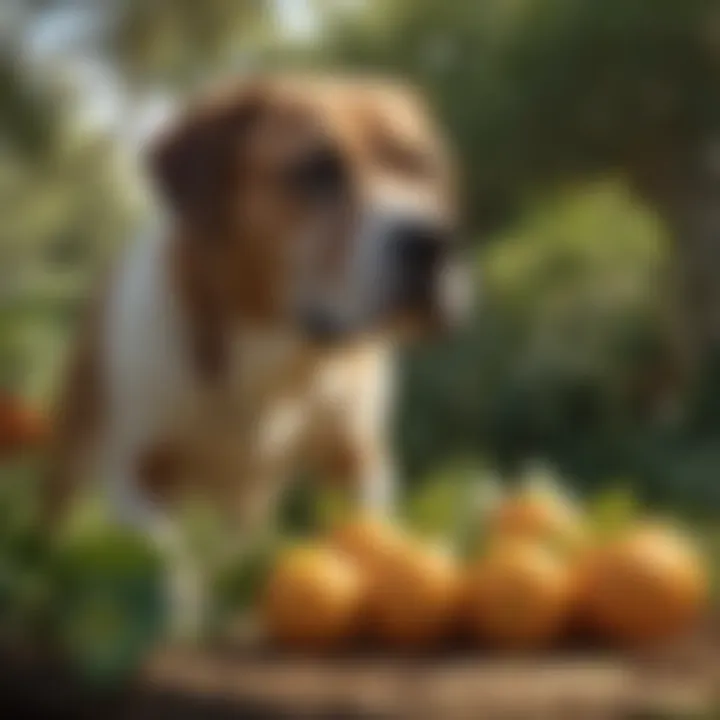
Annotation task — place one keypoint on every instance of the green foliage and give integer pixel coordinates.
(451, 505)
(108, 601)
(180, 41)
(56, 233)
(25, 584)
(538, 90)
(237, 584)
(613, 509)
(111, 551)
(559, 361)
(436, 506)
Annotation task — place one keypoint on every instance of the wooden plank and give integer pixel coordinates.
(397, 688)
(244, 678)
(572, 685)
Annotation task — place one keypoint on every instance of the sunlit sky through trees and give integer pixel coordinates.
(63, 37)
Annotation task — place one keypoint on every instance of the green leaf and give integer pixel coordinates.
(486, 493)
(444, 506)
(331, 506)
(239, 582)
(110, 554)
(613, 509)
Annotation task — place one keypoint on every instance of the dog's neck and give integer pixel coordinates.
(219, 310)
(235, 343)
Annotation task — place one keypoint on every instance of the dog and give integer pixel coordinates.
(309, 228)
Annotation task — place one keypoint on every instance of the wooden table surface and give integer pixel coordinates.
(680, 679)
(241, 678)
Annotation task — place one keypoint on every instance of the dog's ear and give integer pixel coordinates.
(194, 163)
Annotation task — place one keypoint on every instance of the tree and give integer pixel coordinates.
(178, 41)
(66, 201)
(538, 92)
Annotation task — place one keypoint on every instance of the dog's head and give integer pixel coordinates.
(325, 204)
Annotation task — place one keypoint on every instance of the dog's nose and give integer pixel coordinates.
(420, 246)
(321, 327)
(420, 249)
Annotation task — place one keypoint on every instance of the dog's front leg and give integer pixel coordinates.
(374, 478)
(264, 464)
(363, 434)
(253, 509)
(351, 446)
(362, 465)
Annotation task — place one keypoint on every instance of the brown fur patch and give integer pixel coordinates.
(160, 473)
(78, 412)
(335, 460)
(199, 296)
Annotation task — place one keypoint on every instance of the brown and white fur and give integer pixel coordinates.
(253, 332)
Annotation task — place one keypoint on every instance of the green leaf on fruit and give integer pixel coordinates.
(613, 509)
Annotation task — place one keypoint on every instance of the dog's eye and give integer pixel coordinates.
(319, 176)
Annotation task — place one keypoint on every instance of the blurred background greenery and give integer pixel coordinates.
(589, 136)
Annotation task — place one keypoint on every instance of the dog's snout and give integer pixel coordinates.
(420, 249)
(321, 327)
(420, 246)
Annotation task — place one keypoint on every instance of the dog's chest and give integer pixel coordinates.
(273, 398)
(273, 392)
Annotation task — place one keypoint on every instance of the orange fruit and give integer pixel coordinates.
(647, 585)
(21, 426)
(518, 596)
(535, 515)
(412, 588)
(370, 541)
(414, 599)
(313, 599)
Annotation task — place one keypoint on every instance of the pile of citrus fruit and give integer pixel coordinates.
(541, 576)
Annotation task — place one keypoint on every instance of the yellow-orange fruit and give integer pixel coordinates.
(535, 515)
(414, 598)
(314, 598)
(646, 585)
(371, 541)
(518, 596)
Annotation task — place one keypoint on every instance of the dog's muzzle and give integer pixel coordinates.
(430, 281)
(415, 279)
